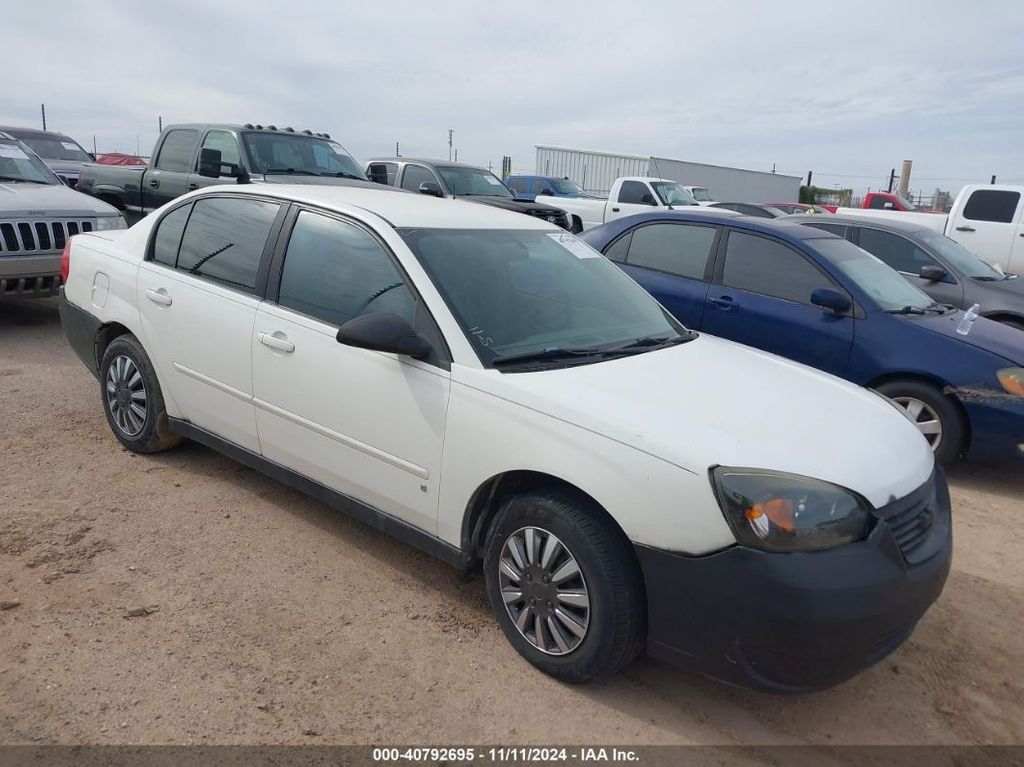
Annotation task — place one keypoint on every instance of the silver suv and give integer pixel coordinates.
(61, 153)
(38, 213)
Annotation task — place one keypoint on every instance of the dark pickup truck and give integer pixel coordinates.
(192, 156)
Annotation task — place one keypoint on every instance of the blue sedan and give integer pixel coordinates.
(816, 298)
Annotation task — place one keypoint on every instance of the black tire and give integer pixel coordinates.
(615, 629)
(154, 434)
(950, 417)
(576, 226)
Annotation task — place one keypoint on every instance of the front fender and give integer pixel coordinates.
(654, 502)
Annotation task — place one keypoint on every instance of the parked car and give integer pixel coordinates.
(38, 213)
(61, 153)
(799, 208)
(629, 195)
(816, 298)
(987, 219)
(486, 387)
(750, 209)
(528, 187)
(456, 181)
(941, 267)
(194, 156)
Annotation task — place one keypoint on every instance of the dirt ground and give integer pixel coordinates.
(277, 620)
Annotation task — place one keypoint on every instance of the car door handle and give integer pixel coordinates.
(615, 210)
(724, 302)
(154, 183)
(276, 342)
(159, 297)
(193, 187)
(965, 228)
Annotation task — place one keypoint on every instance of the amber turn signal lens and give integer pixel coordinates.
(778, 510)
(1012, 380)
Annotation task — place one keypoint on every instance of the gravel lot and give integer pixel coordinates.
(262, 616)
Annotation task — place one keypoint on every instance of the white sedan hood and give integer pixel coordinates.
(713, 402)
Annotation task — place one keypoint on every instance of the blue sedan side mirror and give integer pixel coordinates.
(827, 298)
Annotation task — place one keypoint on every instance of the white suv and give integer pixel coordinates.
(488, 388)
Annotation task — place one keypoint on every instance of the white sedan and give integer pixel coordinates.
(489, 389)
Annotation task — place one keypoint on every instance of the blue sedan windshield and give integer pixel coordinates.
(881, 283)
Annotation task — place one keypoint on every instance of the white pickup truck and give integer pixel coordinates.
(629, 195)
(986, 219)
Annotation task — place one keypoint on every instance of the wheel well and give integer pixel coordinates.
(485, 502)
(105, 335)
(928, 380)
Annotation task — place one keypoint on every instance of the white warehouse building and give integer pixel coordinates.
(594, 172)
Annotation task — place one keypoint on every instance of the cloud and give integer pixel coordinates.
(845, 90)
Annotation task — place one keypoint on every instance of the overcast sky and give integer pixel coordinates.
(847, 90)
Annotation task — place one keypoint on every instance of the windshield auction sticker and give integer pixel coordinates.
(574, 245)
(13, 152)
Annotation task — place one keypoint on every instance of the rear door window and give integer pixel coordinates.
(680, 249)
(995, 205)
(224, 240)
(177, 150)
(382, 172)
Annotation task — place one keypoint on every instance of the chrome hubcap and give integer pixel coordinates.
(544, 591)
(924, 418)
(126, 395)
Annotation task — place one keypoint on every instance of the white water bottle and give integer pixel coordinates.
(967, 321)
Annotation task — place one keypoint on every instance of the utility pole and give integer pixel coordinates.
(773, 167)
(892, 179)
(160, 124)
(397, 153)
(42, 107)
(94, 144)
(456, 155)
(993, 179)
(451, 132)
(810, 175)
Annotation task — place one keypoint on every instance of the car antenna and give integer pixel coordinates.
(656, 170)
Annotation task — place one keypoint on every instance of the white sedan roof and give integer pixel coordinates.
(400, 209)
